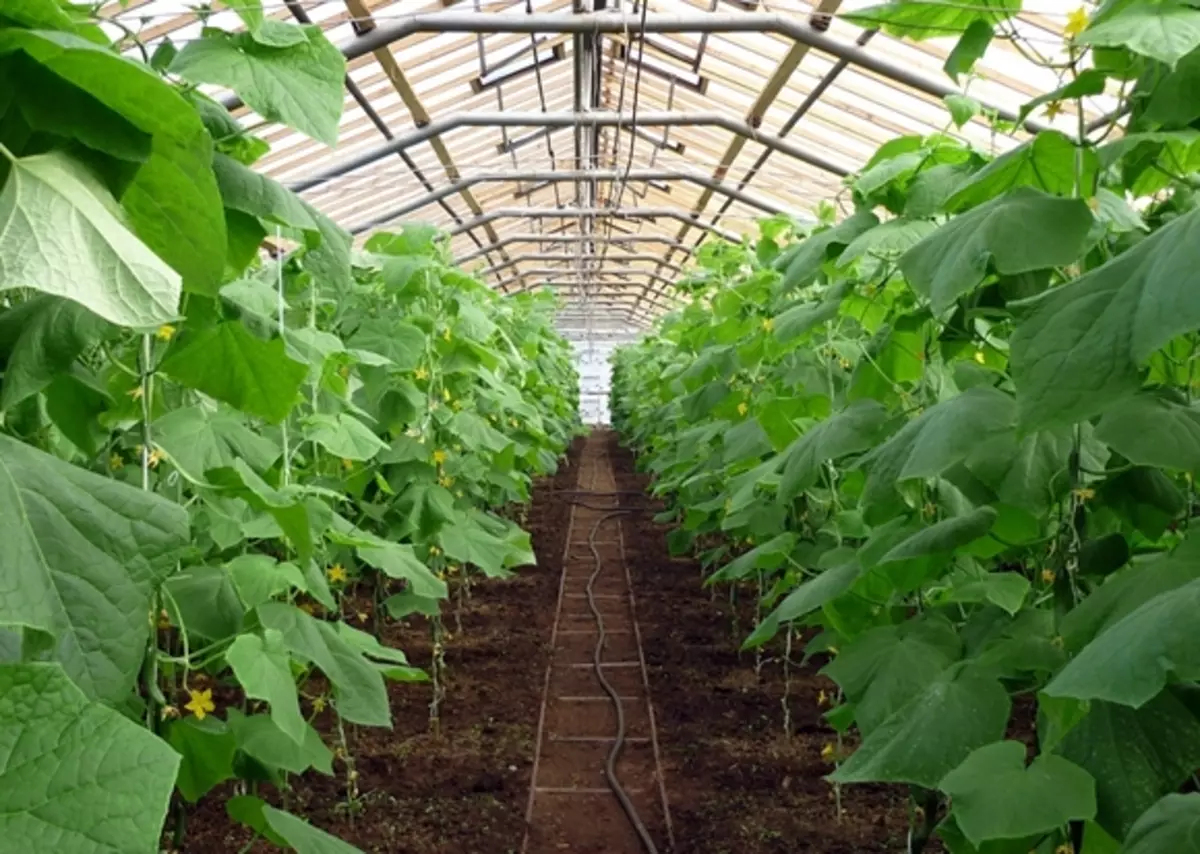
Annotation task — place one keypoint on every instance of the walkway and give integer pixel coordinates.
(572, 805)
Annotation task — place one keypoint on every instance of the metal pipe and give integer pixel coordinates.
(565, 120)
(566, 213)
(550, 256)
(548, 176)
(568, 238)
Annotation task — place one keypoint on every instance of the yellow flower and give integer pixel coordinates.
(1083, 493)
(446, 335)
(822, 697)
(458, 493)
(164, 619)
(456, 405)
(512, 422)
(1048, 576)
(421, 374)
(1065, 848)
(452, 569)
(1077, 22)
(979, 356)
(336, 573)
(200, 703)
(434, 551)
(1054, 109)
(441, 575)
(347, 464)
(445, 482)
(318, 704)
(156, 457)
(308, 608)
(768, 324)
(165, 332)
(457, 448)
(362, 616)
(168, 713)
(845, 364)
(743, 408)
(135, 392)
(439, 456)
(115, 463)
(446, 395)
(828, 752)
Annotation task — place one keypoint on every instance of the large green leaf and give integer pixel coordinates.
(805, 599)
(80, 557)
(299, 85)
(1166, 30)
(996, 797)
(471, 538)
(259, 578)
(854, 429)
(1172, 824)
(49, 334)
(805, 259)
(175, 208)
(1133, 660)
(258, 736)
(343, 436)
(197, 439)
(933, 733)
(358, 686)
(1153, 431)
(250, 192)
(263, 668)
(886, 667)
(892, 238)
(1018, 232)
(206, 748)
(938, 438)
(917, 19)
(944, 537)
(1135, 755)
(97, 261)
(1079, 349)
(79, 778)
(1046, 162)
(303, 837)
(1027, 472)
(227, 362)
(202, 600)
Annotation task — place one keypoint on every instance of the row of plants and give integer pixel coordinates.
(233, 446)
(945, 436)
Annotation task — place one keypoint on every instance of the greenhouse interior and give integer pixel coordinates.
(599, 426)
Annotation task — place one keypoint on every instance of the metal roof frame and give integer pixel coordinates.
(792, 100)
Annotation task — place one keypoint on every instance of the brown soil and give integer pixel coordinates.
(735, 783)
(463, 790)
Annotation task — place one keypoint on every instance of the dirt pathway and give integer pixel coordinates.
(572, 807)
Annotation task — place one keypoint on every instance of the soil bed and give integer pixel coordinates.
(464, 789)
(734, 782)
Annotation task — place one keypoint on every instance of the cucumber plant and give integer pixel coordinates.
(232, 446)
(947, 433)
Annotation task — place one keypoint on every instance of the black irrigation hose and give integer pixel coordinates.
(610, 765)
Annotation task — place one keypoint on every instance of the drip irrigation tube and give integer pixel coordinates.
(610, 765)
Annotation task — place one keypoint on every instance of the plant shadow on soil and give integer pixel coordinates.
(734, 783)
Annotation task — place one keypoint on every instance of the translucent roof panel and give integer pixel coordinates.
(560, 143)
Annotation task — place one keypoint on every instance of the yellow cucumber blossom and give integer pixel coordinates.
(439, 456)
(116, 463)
(434, 406)
(434, 551)
(458, 493)
(318, 704)
(445, 481)
(828, 752)
(1077, 22)
(1048, 576)
(135, 392)
(979, 357)
(822, 697)
(743, 408)
(165, 332)
(1084, 494)
(446, 395)
(168, 713)
(456, 405)
(1054, 109)
(446, 334)
(768, 324)
(156, 457)
(421, 374)
(200, 703)
(336, 573)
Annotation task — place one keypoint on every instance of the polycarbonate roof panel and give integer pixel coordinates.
(468, 179)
